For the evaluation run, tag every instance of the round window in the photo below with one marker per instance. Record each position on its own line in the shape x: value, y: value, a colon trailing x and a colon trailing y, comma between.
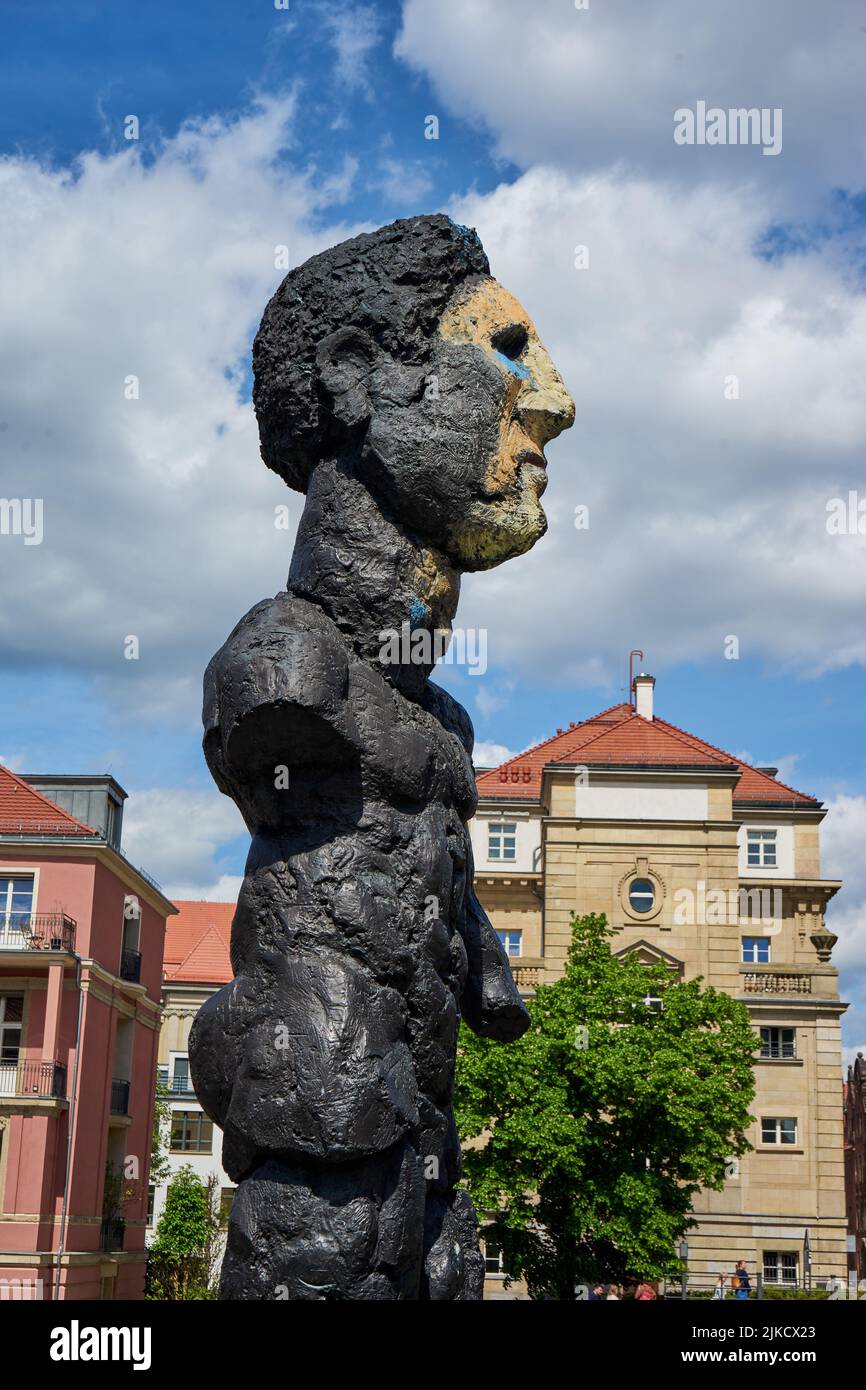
x: 641, y: 895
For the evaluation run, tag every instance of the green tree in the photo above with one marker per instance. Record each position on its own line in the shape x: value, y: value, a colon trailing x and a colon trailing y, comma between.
x: 159, y: 1162
x: 628, y: 1093
x: 186, y: 1249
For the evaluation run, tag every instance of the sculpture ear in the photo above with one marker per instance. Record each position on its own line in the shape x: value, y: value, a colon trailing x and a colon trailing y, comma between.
x: 345, y: 359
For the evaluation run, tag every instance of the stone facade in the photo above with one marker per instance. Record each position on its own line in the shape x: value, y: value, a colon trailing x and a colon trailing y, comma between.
x: 700, y: 860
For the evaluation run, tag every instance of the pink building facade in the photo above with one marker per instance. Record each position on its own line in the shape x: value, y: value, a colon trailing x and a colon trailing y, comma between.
x: 81, y: 948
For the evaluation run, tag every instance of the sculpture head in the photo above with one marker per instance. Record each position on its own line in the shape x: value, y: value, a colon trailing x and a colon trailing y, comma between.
x: 398, y: 353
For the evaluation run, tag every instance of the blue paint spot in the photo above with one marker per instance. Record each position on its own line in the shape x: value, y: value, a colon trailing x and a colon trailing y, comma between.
x: 467, y: 235
x: 417, y: 613
x: 517, y: 368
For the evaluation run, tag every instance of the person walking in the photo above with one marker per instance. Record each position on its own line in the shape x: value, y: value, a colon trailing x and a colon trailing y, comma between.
x: 645, y: 1292
x: 596, y: 1294
x: 614, y: 1293
x: 741, y: 1282
x: 719, y: 1290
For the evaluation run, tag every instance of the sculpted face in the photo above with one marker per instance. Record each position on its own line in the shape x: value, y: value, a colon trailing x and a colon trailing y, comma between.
x: 459, y: 448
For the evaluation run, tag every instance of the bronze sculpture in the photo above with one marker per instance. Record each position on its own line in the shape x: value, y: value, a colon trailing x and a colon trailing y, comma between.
x: 406, y: 392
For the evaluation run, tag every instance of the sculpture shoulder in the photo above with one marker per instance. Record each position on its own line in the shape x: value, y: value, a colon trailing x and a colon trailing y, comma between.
x: 284, y: 651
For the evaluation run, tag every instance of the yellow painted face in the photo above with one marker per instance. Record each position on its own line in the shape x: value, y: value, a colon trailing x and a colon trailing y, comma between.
x: 535, y: 408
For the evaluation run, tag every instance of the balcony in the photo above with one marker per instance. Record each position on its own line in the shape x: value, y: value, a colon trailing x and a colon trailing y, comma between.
x: 119, y: 1097
x: 130, y: 965
x: 528, y: 972
x: 776, y: 982
x: 32, y: 1081
x: 111, y: 1233
x: 37, y: 931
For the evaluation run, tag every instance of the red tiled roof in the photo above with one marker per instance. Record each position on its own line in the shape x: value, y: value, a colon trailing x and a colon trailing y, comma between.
x: 197, y: 943
x: 621, y: 738
x: 25, y: 811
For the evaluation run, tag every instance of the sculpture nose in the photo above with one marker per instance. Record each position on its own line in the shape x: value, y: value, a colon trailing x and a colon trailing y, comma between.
x: 543, y: 406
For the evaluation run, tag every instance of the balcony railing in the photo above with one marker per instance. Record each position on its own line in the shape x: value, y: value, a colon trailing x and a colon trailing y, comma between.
x: 20, y: 1080
x: 130, y: 965
x: 528, y: 972
x: 773, y: 982
x: 177, y: 1086
x: 119, y: 1097
x: 37, y: 931
x: 111, y: 1233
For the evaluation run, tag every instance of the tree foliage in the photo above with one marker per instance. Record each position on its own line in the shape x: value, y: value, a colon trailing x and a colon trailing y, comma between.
x: 183, y: 1259
x: 159, y: 1161
x: 594, y: 1132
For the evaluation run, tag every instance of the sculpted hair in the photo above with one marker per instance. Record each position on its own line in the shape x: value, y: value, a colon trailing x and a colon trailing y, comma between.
x: 392, y: 284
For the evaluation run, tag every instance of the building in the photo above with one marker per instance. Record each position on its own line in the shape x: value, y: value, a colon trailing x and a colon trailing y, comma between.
x: 81, y: 940
x: 196, y: 965
x: 855, y: 1167
x: 713, y: 866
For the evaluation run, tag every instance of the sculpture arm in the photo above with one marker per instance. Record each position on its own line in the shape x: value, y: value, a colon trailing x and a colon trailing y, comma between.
x: 276, y: 693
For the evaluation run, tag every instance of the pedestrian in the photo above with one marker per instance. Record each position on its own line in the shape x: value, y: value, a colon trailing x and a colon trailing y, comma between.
x: 645, y: 1292
x: 613, y: 1293
x: 596, y: 1294
x: 741, y: 1283
x: 719, y: 1290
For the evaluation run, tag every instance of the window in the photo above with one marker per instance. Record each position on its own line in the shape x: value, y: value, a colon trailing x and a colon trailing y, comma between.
x: 180, y: 1082
x: 762, y: 849
x: 493, y: 1263
x: 11, y: 1015
x: 641, y: 895
x: 781, y: 1267
x: 756, y: 950
x: 162, y: 1075
x: 16, y: 902
x: 11, y: 1019
x: 776, y: 1131
x: 151, y: 1199
x: 191, y: 1132
x: 502, y: 840
x: 778, y: 1043
x: 511, y: 941
x: 227, y: 1197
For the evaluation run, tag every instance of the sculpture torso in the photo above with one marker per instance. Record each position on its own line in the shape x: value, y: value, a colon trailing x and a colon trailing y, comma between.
x: 357, y: 906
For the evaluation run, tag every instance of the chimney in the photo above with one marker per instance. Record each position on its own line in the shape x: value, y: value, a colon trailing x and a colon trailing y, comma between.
x: 643, y: 695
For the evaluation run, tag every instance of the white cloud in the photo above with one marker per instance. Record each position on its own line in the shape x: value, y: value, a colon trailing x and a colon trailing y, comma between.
x: 158, y: 512
x: 707, y: 516
x: 403, y: 182
x: 493, y: 696
x: 843, y: 835
x: 354, y: 31
x: 590, y: 89
x: 225, y: 890
x: 175, y: 835
x: 488, y: 754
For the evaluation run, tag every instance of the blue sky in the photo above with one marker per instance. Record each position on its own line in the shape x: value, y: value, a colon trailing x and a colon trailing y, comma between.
x: 261, y: 126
